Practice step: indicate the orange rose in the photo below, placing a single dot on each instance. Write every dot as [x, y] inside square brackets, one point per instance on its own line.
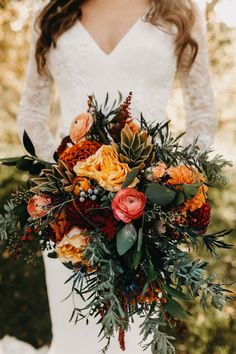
[38, 205]
[128, 204]
[71, 247]
[80, 126]
[105, 168]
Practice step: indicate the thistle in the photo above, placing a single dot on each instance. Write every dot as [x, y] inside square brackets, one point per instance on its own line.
[135, 148]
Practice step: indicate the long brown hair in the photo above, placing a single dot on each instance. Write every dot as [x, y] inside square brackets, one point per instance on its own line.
[60, 15]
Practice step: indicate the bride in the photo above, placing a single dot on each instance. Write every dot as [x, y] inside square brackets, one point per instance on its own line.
[100, 46]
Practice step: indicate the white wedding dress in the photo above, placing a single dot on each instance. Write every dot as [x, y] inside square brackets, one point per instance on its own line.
[143, 62]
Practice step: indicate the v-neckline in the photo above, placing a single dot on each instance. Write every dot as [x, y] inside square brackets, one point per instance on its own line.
[120, 41]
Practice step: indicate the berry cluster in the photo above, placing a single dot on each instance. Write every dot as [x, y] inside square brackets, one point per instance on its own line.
[91, 194]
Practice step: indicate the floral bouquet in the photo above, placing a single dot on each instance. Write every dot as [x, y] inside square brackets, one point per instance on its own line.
[123, 206]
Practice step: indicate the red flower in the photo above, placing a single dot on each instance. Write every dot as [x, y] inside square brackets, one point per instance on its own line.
[87, 215]
[128, 204]
[198, 219]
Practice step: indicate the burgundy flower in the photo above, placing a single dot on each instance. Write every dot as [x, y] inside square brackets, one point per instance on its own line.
[88, 214]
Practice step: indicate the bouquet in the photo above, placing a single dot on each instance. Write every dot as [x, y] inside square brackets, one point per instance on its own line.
[125, 207]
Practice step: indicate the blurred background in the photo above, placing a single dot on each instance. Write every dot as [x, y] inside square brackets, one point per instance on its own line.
[24, 310]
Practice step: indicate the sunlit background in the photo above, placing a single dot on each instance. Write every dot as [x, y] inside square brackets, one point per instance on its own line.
[23, 302]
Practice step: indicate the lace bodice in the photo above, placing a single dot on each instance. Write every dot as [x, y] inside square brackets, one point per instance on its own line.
[144, 62]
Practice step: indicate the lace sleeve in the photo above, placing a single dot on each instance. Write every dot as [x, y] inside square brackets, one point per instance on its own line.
[34, 107]
[198, 92]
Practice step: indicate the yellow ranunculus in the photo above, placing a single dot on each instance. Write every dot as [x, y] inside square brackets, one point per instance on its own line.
[105, 168]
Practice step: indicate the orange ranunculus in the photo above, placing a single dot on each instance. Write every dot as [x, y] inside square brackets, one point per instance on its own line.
[72, 246]
[128, 204]
[79, 152]
[105, 168]
[187, 175]
[159, 171]
[80, 126]
[38, 205]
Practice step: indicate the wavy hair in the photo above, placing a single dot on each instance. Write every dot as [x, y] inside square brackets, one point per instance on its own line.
[58, 16]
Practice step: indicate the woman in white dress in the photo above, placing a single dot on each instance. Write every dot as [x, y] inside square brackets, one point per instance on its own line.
[100, 46]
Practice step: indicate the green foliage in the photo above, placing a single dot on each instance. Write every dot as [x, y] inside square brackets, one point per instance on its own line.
[159, 195]
[161, 342]
[126, 238]
[129, 179]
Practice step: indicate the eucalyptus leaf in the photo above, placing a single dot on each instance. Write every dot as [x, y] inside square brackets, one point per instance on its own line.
[126, 238]
[145, 289]
[136, 259]
[11, 161]
[140, 239]
[129, 178]
[175, 309]
[159, 195]
[190, 190]
[180, 198]
[175, 292]
[152, 273]
[24, 164]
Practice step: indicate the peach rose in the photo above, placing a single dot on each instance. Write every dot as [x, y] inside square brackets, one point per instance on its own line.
[80, 126]
[128, 204]
[38, 205]
[159, 170]
[71, 247]
[105, 168]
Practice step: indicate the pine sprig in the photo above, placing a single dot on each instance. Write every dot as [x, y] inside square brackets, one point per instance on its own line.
[213, 242]
[168, 149]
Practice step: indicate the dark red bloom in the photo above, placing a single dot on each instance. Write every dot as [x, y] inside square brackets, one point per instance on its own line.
[198, 219]
[88, 215]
